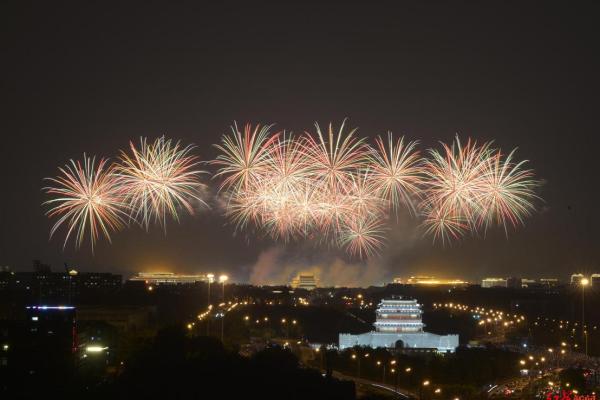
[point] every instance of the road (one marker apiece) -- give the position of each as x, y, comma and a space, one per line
403, 393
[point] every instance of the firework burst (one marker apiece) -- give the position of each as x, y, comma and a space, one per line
158, 178
87, 199
396, 171
471, 187
244, 156
336, 157
509, 192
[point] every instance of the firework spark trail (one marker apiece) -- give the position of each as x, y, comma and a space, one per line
86, 198
158, 178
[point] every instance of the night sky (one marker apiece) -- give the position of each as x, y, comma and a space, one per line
88, 78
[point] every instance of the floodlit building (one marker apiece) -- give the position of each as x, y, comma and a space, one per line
549, 282
399, 325
167, 278
433, 281
304, 281
595, 280
428, 280
512, 282
576, 279
494, 282
527, 283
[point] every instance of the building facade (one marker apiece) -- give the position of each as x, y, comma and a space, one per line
304, 281
576, 279
399, 325
167, 278
549, 282
494, 282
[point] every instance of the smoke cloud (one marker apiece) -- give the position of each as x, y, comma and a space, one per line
273, 267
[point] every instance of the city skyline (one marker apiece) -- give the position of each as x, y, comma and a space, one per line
507, 88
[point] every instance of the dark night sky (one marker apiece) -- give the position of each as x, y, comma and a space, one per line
88, 78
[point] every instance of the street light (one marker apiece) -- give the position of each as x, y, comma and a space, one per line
354, 357
423, 385
379, 364
584, 282
223, 279
211, 278
287, 327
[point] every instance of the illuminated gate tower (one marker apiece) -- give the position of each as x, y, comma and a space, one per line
398, 323
399, 316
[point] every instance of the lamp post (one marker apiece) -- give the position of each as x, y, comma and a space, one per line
379, 363
223, 279
393, 364
354, 357
422, 387
287, 330
210, 278
584, 282
318, 350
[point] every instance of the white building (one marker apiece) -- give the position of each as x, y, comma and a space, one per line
399, 324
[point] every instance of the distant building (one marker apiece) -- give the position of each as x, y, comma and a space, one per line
433, 281
494, 282
44, 285
168, 278
549, 282
127, 319
576, 279
399, 325
527, 283
514, 282
511, 282
304, 281
595, 280
51, 328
